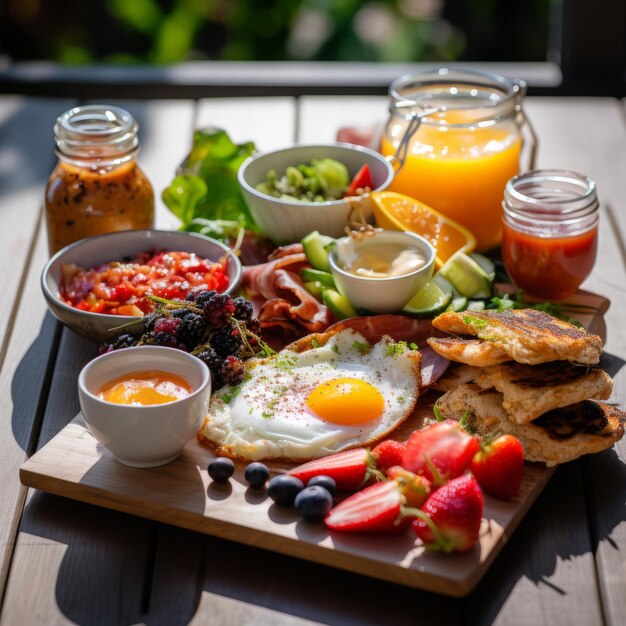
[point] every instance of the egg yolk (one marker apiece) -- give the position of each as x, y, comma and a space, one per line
145, 388
346, 401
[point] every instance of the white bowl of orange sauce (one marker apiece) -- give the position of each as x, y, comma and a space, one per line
144, 404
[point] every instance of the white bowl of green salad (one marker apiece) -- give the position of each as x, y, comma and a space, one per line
299, 189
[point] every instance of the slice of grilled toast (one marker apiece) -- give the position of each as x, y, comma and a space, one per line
475, 352
531, 390
558, 436
526, 335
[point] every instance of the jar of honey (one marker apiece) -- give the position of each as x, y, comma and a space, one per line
97, 186
455, 136
550, 232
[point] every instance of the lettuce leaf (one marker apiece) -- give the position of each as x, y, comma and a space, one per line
205, 194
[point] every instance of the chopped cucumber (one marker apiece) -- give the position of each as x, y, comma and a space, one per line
486, 264
338, 304
316, 249
476, 305
431, 299
458, 304
467, 276
325, 278
315, 288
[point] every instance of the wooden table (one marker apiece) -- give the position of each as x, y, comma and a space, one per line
67, 562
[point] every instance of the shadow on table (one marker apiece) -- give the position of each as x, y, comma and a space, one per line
30, 383
559, 528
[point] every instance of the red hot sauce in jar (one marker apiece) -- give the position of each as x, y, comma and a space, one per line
97, 186
550, 231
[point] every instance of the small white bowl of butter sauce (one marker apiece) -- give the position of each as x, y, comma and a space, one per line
382, 272
145, 403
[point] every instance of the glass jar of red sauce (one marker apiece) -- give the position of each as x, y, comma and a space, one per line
97, 186
550, 231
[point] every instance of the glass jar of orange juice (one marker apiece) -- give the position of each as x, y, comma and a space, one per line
97, 186
456, 138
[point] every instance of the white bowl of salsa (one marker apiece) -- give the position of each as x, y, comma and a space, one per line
121, 247
145, 403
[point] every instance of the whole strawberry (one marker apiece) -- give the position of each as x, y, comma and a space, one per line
388, 453
439, 452
450, 519
499, 467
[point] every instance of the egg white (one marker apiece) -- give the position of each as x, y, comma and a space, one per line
266, 416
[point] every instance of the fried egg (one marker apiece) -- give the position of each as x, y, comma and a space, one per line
304, 405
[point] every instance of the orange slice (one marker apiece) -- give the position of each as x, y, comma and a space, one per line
396, 211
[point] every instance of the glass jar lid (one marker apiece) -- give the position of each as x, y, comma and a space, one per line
551, 202
456, 97
96, 134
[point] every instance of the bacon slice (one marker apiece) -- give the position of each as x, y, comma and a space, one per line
279, 296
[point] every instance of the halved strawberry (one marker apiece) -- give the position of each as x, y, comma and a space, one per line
439, 452
499, 466
378, 508
350, 469
450, 519
388, 453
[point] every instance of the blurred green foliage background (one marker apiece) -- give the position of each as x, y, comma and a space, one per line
170, 31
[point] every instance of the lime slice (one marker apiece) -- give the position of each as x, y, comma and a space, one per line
431, 299
467, 276
486, 264
458, 304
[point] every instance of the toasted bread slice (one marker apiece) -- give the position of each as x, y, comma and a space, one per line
531, 390
558, 436
526, 335
456, 375
475, 352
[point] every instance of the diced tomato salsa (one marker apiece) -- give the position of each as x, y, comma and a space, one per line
122, 287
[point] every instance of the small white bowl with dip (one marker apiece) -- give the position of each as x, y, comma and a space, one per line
144, 435
381, 273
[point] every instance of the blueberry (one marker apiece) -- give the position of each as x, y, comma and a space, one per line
324, 481
221, 469
256, 474
284, 488
313, 503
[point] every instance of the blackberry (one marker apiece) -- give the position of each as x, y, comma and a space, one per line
124, 341
227, 341
149, 321
200, 295
167, 325
213, 360
181, 313
191, 330
232, 371
243, 309
219, 309
254, 326
161, 339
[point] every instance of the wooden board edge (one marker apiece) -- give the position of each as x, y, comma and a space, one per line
288, 546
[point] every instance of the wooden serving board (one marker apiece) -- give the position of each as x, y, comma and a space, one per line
75, 465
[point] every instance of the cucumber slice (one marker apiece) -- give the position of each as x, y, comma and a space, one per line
486, 264
467, 276
316, 249
431, 299
476, 305
325, 278
338, 304
458, 304
315, 288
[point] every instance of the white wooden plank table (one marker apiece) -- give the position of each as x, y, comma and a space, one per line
66, 562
